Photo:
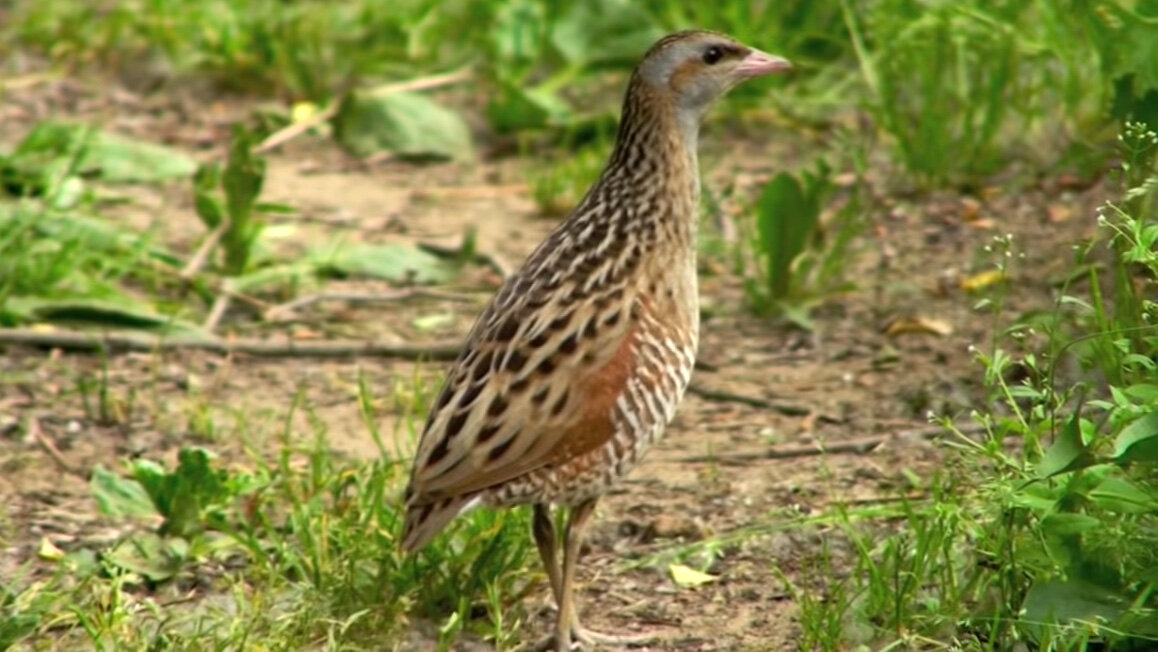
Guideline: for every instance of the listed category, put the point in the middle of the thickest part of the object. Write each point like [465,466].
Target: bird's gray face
[697,70]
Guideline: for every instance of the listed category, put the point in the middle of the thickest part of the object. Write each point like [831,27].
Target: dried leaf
[48,551]
[982,280]
[917,324]
[1059,213]
[689,577]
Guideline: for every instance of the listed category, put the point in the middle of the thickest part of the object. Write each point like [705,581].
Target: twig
[284,310]
[28,81]
[123,342]
[136,342]
[857,446]
[424,83]
[288,133]
[197,262]
[753,401]
[50,447]
[220,305]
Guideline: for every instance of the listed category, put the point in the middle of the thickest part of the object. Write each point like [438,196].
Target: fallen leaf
[674,527]
[970,209]
[437,321]
[689,577]
[1059,213]
[917,324]
[982,280]
[48,551]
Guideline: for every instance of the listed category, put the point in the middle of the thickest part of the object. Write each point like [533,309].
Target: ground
[734,456]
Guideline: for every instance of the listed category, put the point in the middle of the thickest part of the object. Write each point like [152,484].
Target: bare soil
[718,468]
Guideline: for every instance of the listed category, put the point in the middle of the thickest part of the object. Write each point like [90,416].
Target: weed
[226,200]
[795,264]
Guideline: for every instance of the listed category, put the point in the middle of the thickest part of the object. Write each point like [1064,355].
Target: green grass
[301,549]
[1041,532]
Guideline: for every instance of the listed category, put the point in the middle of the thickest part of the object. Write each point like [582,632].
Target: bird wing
[535,385]
[515,404]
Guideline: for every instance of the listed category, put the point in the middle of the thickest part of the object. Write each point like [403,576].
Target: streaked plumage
[578,363]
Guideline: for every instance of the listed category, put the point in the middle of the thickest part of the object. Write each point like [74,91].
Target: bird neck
[655,160]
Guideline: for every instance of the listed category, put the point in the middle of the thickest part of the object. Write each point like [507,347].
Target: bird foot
[583,638]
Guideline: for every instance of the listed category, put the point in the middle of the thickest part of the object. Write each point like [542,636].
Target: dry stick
[143,343]
[197,262]
[125,342]
[285,309]
[753,401]
[220,305]
[50,447]
[857,446]
[286,134]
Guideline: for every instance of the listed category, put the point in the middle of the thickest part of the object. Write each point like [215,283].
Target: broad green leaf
[1122,496]
[298,275]
[785,219]
[1064,524]
[118,496]
[1068,452]
[98,234]
[1138,442]
[52,148]
[400,263]
[105,314]
[689,577]
[407,124]
[149,555]
[1052,602]
[120,159]
[1145,392]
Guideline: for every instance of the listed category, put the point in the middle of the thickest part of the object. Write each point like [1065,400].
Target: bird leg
[568,616]
[543,527]
[568,631]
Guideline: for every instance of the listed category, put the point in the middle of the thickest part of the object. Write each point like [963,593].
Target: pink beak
[758,64]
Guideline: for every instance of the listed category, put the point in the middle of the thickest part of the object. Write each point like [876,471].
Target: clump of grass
[800,243]
[312,544]
[1051,541]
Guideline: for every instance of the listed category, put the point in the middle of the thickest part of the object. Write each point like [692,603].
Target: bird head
[693,69]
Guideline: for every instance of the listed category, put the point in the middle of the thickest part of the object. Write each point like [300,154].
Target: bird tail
[426,519]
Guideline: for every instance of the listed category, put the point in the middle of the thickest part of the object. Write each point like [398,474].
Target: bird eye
[713,55]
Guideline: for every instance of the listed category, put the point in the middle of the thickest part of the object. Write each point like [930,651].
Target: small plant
[794,261]
[226,201]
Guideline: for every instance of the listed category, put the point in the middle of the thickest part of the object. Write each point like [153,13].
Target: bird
[576,365]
